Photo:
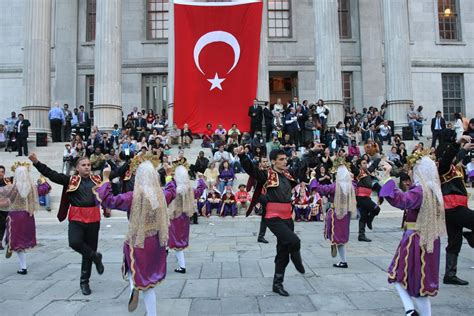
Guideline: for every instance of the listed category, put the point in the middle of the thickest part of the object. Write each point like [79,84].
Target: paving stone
[211,270]
[200,288]
[334,302]
[230,270]
[278,304]
[374,300]
[65,307]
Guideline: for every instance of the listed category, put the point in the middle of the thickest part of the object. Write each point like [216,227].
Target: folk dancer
[145,244]
[180,210]
[458,215]
[21,201]
[80,206]
[341,194]
[415,267]
[278,181]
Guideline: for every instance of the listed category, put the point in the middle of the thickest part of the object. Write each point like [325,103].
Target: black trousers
[255,127]
[84,238]
[3,224]
[436,136]
[22,144]
[263,227]
[56,125]
[294,136]
[287,241]
[456,219]
[368,208]
[268,131]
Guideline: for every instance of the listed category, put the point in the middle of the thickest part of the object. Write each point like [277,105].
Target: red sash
[84,214]
[363,191]
[280,210]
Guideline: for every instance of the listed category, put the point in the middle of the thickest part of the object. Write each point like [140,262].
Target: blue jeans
[415,125]
[223,184]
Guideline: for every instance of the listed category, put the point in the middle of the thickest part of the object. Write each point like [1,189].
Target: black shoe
[454,280]
[85,289]
[180,270]
[262,240]
[19,155]
[469,237]
[98,263]
[133,302]
[295,256]
[412,312]
[363,238]
[278,288]
[370,220]
[341,265]
[22,271]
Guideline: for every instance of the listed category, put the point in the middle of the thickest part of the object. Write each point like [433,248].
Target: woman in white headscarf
[415,267]
[145,244]
[180,210]
[342,196]
[21,201]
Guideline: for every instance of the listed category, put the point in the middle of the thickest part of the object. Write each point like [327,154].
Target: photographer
[68,158]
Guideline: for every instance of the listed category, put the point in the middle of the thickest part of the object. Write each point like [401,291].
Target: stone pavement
[227,273]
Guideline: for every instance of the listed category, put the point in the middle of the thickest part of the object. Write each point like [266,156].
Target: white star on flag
[216,82]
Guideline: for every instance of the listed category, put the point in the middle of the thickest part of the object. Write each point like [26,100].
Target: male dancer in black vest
[278,182]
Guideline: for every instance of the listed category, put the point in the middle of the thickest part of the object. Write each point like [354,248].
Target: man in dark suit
[21,129]
[140,126]
[268,116]
[256,116]
[438,124]
[84,121]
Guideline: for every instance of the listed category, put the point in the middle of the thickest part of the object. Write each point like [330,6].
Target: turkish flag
[216,62]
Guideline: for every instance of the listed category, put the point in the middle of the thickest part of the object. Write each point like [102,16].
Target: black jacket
[433,123]
[23,130]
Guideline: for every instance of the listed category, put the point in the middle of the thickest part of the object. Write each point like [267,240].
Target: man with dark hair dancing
[277,182]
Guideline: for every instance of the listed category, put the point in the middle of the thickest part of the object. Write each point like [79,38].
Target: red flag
[216,62]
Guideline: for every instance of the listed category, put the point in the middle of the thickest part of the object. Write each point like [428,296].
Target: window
[90,23]
[347,89]
[90,95]
[453,101]
[157,19]
[344,11]
[448,20]
[154,93]
[279,18]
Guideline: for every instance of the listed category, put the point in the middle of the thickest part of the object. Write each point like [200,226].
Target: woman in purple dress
[145,244]
[21,201]
[181,209]
[342,196]
[415,267]
[226,176]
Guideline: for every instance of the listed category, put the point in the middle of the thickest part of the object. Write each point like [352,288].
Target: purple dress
[147,264]
[21,231]
[179,226]
[414,268]
[335,229]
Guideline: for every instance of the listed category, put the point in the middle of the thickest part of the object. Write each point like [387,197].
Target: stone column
[397,62]
[328,58]
[37,65]
[263,88]
[66,53]
[108,64]
[170,78]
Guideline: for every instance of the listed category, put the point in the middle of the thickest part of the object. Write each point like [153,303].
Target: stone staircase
[52,156]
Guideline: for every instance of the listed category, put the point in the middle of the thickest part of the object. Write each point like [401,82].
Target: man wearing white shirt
[221,155]
[385,132]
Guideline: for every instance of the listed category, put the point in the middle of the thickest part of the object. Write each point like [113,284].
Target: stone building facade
[112,55]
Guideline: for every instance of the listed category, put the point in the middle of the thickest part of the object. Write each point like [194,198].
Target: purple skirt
[21,231]
[179,232]
[147,265]
[414,268]
[336,230]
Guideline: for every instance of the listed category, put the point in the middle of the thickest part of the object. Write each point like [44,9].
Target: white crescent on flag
[216,37]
